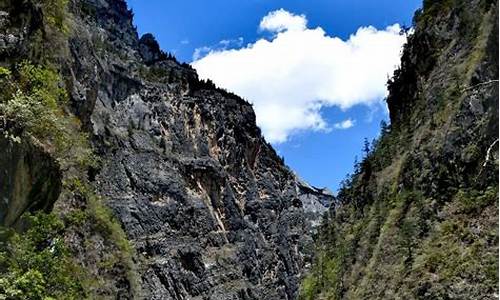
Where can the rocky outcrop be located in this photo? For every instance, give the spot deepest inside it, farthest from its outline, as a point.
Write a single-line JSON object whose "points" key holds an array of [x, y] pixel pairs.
{"points": [[315, 201], [210, 209], [30, 180]]}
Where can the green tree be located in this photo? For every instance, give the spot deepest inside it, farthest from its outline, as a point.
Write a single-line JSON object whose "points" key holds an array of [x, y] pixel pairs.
{"points": [[35, 264]]}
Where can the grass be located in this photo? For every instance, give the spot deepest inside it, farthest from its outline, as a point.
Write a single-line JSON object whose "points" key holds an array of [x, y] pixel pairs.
{"points": [[398, 248], [104, 222]]}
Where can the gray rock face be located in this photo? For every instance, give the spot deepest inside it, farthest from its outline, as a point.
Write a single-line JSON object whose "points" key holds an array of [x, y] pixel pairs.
{"points": [[30, 180], [212, 211], [210, 208], [315, 201]]}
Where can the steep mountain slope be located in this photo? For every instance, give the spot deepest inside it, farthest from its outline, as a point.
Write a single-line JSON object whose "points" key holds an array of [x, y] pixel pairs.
{"points": [[203, 207], [419, 218]]}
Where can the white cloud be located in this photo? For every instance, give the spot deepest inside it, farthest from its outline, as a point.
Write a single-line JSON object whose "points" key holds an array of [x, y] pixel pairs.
{"points": [[346, 124], [220, 46], [281, 20], [224, 44], [200, 52], [291, 77]]}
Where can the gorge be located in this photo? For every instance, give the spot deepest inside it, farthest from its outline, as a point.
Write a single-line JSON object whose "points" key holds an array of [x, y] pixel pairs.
{"points": [[125, 176]]}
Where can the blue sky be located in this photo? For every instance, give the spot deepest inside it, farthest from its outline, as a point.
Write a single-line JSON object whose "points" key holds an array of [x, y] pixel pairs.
{"points": [[323, 151]]}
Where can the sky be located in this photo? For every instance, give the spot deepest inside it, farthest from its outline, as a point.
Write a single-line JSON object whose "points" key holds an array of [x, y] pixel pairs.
{"points": [[315, 71]]}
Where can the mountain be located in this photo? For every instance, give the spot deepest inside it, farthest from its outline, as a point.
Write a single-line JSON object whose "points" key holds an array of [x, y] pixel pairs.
{"points": [[418, 219], [124, 176]]}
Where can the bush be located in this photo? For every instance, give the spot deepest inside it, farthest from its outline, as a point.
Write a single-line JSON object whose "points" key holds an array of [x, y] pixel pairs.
{"points": [[54, 12], [35, 264], [4, 72], [104, 222], [472, 201], [31, 106], [34, 105]]}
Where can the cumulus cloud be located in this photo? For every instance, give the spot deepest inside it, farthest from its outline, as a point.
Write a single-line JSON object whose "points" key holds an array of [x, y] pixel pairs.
{"points": [[281, 20], [346, 124], [292, 76], [220, 46]]}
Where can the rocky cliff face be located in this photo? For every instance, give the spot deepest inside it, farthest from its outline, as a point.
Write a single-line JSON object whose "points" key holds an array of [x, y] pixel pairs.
{"points": [[209, 208], [419, 218], [29, 181]]}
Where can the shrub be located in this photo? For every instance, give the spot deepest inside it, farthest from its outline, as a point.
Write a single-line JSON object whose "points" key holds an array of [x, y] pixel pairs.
{"points": [[104, 222], [54, 12], [36, 264], [4, 72], [31, 106], [472, 201], [308, 289]]}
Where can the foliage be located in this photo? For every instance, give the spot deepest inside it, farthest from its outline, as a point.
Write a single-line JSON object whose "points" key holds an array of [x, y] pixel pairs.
{"points": [[430, 9], [472, 201], [32, 106], [54, 12], [326, 276], [4, 72], [413, 219], [399, 245], [35, 264], [102, 220]]}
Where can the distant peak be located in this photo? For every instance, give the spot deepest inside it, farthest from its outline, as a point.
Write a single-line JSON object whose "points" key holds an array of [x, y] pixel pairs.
{"points": [[149, 49]]}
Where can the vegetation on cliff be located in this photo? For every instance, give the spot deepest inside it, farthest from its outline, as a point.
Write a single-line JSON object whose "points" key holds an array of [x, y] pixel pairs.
{"points": [[38, 259], [187, 168], [36, 264], [418, 219]]}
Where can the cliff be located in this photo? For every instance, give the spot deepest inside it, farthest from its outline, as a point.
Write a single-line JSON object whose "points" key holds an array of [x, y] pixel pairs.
{"points": [[419, 218], [154, 184]]}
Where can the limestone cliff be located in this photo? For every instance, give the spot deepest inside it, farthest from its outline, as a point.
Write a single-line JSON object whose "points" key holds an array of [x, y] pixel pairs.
{"points": [[209, 209]]}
